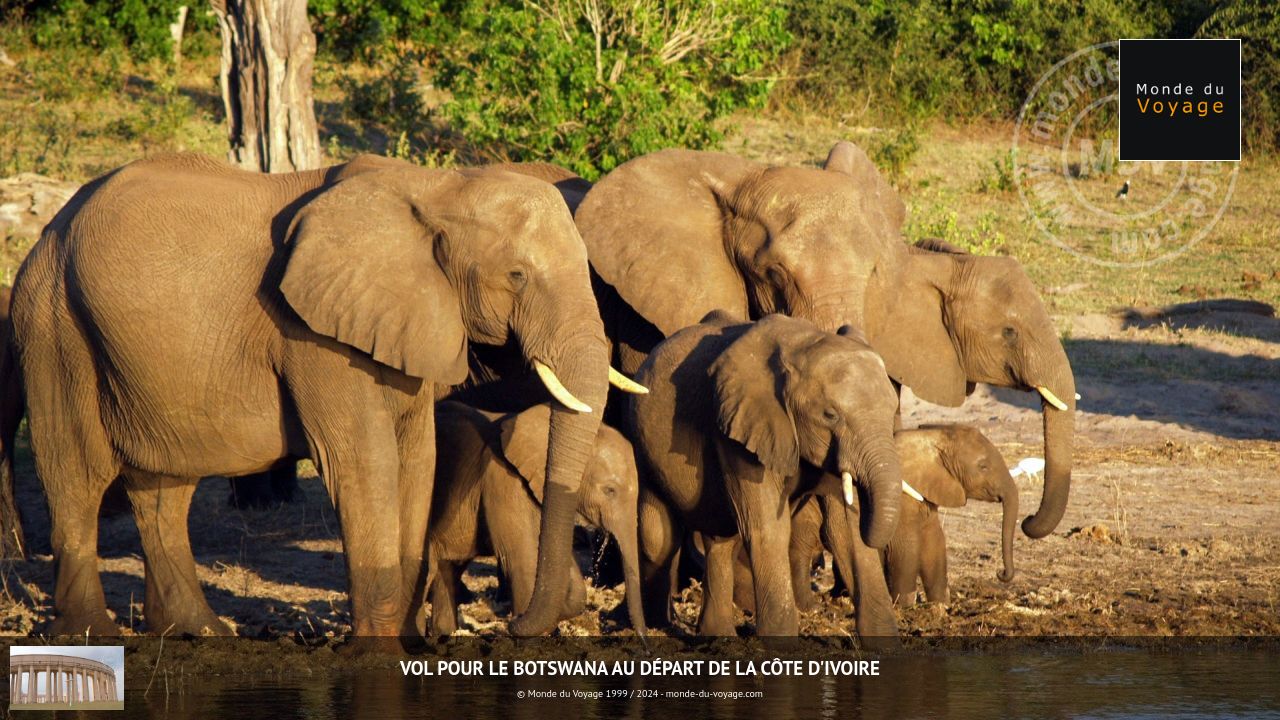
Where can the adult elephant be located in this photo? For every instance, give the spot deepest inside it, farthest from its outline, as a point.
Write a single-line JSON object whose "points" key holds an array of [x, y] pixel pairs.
{"points": [[181, 318], [678, 233]]}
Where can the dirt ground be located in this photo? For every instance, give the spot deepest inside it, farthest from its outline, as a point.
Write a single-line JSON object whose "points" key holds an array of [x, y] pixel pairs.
{"points": [[1171, 529]]}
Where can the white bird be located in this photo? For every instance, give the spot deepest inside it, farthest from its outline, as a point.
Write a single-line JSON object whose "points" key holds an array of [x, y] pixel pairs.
{"points": [[1030, 467]]}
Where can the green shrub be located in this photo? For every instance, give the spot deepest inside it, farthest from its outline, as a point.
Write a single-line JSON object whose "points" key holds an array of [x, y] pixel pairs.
{"points": [[372, 29], [893, 153], [589, 85], [980, 237], [1257, 23], [949, 58], [142, 26]]}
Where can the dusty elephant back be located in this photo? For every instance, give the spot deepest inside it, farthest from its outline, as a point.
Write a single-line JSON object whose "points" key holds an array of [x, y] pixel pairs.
{"points": [[164, 267]]}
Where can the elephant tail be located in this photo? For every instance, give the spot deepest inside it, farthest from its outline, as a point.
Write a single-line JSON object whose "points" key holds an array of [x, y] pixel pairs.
{"points": [[12, 405]]}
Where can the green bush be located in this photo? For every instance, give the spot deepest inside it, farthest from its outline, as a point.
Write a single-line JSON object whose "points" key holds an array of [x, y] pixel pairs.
{"points": [[949, 58], [1257, 24], [371, 29], [141, 26], [589, 85]]}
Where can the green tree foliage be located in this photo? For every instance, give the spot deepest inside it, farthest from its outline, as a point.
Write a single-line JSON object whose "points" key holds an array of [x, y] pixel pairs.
{"points": [[953, 58], [1257, 24], [141, 26], [372, 29], [591, 83]]}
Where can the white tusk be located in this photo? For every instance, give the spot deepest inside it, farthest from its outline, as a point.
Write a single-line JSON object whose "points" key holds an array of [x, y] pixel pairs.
{"points": [[558, 390], [915, 494], [1077, 396], [846, 483], [626, 384], [1053, 399]]}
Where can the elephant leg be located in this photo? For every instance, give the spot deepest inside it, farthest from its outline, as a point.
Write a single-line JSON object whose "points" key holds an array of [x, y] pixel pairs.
{"points": [[806, 543], [415, 442], [75, 471], [902, 567], [863, 570], [511, 527], [353, 443], [575, 596], [933, 561], [660, 544], [174, 604], [765, 522], [717, 596], [444, 602]]}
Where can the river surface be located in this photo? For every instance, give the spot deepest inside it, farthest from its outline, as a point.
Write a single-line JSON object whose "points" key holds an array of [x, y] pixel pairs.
{"points": [[1138, 684]]}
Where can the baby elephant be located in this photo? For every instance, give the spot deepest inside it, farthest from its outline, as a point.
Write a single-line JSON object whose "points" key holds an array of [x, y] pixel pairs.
{"points": [[742, 419], [946, 465], [490, 472]]}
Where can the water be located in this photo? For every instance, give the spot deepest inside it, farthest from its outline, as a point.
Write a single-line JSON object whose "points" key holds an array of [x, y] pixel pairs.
{"points": [[1137, 684]]}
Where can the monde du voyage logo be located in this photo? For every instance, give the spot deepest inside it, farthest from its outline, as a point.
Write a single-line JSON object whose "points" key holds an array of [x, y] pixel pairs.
{"points": [[1172, 110], [1180, 100]]}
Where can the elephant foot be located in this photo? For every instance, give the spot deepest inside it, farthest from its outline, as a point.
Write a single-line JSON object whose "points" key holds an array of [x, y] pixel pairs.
{"points": [[443, 626], [96, 624], [806, 600], [879, 632], [197, 624], [717, 627]]}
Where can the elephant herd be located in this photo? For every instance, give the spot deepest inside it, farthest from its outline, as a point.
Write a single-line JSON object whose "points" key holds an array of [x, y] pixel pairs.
{"points": [[442, 343]]}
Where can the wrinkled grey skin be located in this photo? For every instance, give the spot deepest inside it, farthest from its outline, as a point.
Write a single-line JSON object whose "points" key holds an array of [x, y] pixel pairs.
{"points": [[734, 412], [489, 489], [181, 318], [676, 234], [948, 465]]}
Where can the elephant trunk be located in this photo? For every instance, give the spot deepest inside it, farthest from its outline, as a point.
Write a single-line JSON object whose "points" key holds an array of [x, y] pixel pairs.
{"points": [[628, 546], [580, 362], [880, 476], [1008, 493], [1059, 429]]}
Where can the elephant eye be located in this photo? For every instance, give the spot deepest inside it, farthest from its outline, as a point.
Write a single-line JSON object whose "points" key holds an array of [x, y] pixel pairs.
{"points": [[776, 275], [830, 415], [1010, 334], [610, 491], [517, 278]]}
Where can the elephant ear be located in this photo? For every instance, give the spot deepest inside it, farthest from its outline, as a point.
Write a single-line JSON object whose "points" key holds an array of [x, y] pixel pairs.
{"points": [[362, 269], [572, 187], [849, 159], [654, 230], [943, 485], [940, 488], [749, 383], [915, 343], [523, 441]]}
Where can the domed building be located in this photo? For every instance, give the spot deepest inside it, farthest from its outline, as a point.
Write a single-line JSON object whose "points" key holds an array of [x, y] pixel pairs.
{"points": [[64, 679]]}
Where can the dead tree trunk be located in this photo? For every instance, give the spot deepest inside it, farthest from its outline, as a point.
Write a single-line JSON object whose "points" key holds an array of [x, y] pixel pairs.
{"points": [[267, 54]]}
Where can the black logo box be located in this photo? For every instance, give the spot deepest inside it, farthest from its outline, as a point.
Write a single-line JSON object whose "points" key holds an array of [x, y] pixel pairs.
{"points": [[1186, 69]]}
